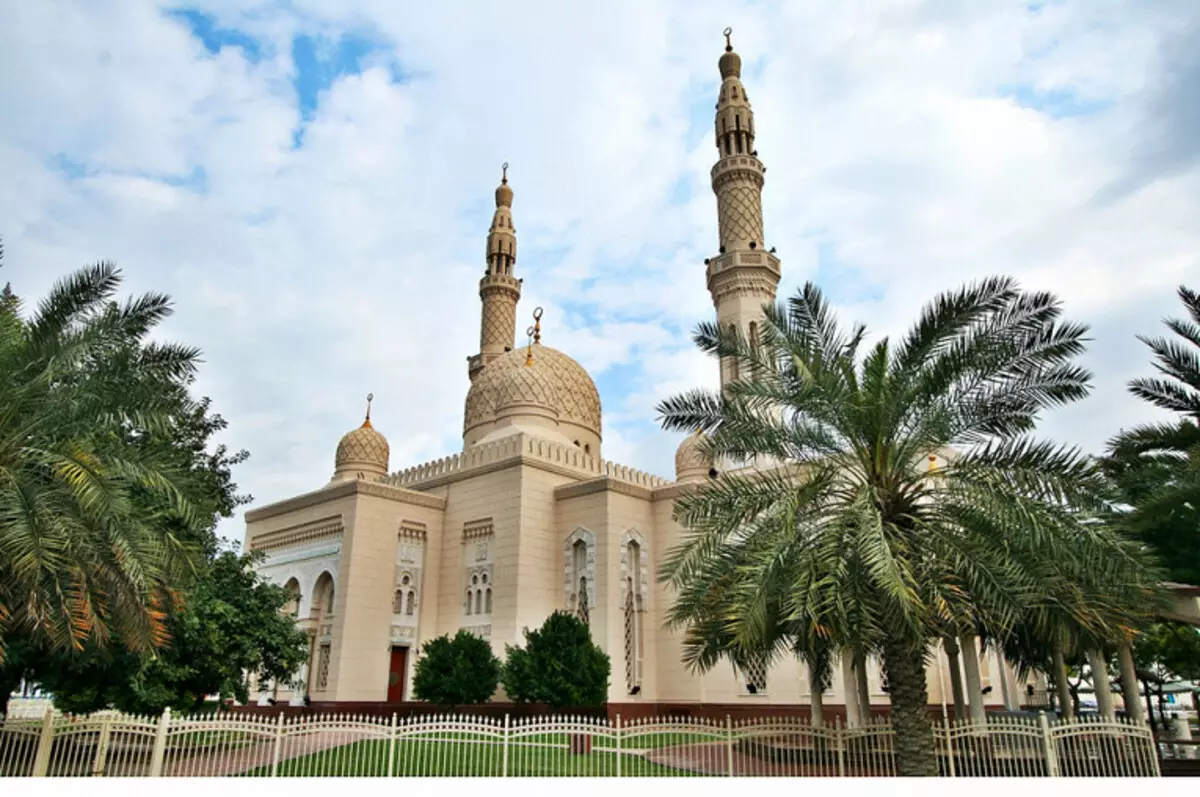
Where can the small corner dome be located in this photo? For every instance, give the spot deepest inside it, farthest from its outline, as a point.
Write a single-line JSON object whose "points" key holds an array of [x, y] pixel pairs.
{"points": [[692, 459], [361, 453]]}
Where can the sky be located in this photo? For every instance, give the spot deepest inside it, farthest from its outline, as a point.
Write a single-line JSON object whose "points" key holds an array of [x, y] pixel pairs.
{"points": [[312, 182]]}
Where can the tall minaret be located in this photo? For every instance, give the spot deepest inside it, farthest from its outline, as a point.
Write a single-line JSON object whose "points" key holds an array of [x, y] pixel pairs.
{"points": [[742, 278], [499, 289]]}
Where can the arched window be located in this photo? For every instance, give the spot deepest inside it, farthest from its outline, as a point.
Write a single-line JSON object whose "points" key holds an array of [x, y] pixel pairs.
{"points": [[468, 602], [322, 603], [579, 571], [398, 602], [733, 363], [478, 601], [634, 605], [754, 338], [409, 602], [292, 607], [488, 604]]}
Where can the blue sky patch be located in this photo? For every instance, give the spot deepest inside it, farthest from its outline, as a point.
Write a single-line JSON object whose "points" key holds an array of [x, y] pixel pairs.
{"points": [[319, 61], [1057, 103], [204, 27]]}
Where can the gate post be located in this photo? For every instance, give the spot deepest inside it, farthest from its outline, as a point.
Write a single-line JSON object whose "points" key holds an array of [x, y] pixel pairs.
{"points": [[41, 761], [729, 743], [102, 748], [278, 744], [504, 756], [1048, 746], [160, 744], [391, 765], [617, 743], [841, 746], [949, 744]]}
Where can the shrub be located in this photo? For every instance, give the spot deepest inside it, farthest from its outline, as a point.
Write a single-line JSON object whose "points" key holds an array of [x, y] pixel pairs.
{"points": [[458, 670], [559, 665]]}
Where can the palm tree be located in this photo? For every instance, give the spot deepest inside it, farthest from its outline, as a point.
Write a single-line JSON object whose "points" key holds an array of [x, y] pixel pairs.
{"points": [[1157, 466], [94, 528], [876, 550]]}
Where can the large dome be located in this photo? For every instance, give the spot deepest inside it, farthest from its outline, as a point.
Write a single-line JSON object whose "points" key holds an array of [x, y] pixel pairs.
{"points": [[553, 387]]}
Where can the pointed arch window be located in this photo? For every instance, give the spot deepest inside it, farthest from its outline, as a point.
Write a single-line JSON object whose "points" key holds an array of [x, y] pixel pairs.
{"points": [[634, 609]]}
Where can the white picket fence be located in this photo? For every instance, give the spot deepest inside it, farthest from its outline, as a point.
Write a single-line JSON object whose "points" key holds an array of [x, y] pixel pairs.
{"points": [[333, 745]]}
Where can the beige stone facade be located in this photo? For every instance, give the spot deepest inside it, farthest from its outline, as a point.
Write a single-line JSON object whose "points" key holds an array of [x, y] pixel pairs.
{"points": [[529, 518]]}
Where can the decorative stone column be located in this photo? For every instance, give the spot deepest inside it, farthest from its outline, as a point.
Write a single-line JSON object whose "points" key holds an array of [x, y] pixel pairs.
{"points": [[1104, 701], [970, 653], [1129, 687]]}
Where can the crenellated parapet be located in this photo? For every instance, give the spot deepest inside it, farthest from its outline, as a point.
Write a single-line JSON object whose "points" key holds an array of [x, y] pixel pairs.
{"points": [[528, 447]]}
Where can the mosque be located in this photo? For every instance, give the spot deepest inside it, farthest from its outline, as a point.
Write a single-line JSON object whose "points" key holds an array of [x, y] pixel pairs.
{"points": [[530, 518]]}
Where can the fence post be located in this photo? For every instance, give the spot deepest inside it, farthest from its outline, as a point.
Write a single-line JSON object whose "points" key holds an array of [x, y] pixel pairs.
{"points": [[102, 748], [160, 744], [391, 767], [949, 744], [617, 743], [504, 756], [1048, 746], [841, 746], [278, 744], [729, 743], [41, 762]]}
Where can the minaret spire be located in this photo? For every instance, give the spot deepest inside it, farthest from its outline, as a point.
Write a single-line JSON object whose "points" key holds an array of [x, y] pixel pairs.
{"points": [[743, 275], [499, 290]]}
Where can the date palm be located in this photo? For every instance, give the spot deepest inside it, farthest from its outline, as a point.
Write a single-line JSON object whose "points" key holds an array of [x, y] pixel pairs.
{"points": [[1157, 466], [871, 548], [94, 527]]}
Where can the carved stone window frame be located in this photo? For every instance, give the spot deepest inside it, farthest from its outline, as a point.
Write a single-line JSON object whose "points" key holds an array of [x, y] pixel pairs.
{"points": [[642, 588], [570, 583]]}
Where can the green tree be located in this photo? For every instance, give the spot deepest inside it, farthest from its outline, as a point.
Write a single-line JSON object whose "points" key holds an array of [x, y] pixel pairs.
{"points": [[1166, 652], [876, 550], [94, 533], [559, 666], [1157, 466], [230, 625], [456, 671]]}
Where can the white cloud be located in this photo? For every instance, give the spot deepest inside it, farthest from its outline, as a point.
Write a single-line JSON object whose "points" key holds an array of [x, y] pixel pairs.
{"points": [[910, 146]]}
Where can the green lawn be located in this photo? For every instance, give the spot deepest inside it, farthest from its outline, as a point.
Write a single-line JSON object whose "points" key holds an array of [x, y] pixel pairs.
{"points": [[460, 755]]}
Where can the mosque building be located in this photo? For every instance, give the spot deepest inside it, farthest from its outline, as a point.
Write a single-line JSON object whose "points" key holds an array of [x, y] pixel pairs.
{"points": [[530, 518]]}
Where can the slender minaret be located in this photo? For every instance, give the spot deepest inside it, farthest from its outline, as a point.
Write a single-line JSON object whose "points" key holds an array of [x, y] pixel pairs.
{"points": [[743, 276], [499, 289]]}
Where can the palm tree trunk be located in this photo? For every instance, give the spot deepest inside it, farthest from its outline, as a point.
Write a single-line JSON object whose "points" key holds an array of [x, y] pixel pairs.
{"points": [[1129, 687], [956, 684], [904, 663], [1066, 706]]}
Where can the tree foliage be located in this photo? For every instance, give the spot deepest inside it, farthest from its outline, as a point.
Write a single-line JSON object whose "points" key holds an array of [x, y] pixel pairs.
{"points": [[846, 536], [96, 535], [456, 671], [1157, 466], [229, 625], [560, 665]]}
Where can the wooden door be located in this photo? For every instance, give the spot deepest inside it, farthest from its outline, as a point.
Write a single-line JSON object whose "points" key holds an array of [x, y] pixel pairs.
{"points": [[396, 672]]}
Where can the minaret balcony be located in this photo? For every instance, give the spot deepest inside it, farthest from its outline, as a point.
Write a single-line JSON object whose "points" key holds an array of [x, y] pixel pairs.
{"points": [[743, 260], [737, 163]]}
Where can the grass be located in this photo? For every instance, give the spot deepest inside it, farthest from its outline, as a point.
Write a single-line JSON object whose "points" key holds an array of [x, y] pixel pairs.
{"points": [[465, 755]]}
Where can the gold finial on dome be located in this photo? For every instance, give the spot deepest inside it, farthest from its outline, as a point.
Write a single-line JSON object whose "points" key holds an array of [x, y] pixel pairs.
{"points": [[933, 462], [730, 63], [504, 194], [535, 335], [367, 421]]}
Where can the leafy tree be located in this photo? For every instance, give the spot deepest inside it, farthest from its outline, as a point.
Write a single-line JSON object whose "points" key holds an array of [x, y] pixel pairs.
{"points": [[874, 549], [455, 671], [1157, 466], [230, 624], [559, 666], [1166, 652], [93, 531]]}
